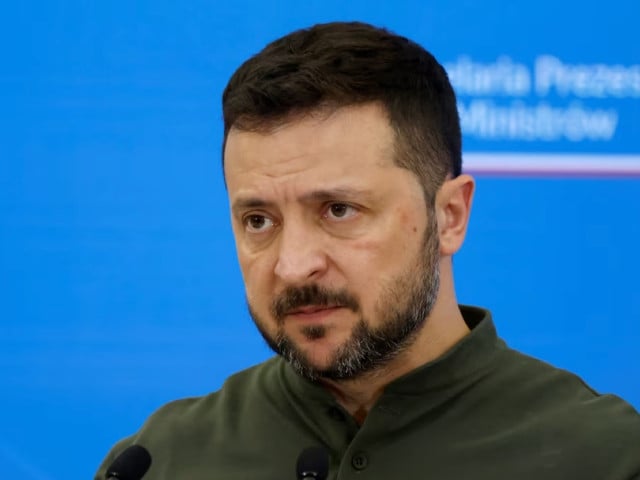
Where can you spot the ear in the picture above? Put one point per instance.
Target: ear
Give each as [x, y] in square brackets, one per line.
[453, 207]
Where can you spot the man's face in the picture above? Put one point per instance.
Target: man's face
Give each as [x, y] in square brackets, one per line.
[337, 249]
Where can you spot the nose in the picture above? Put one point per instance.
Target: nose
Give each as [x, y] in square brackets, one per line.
[301, 256]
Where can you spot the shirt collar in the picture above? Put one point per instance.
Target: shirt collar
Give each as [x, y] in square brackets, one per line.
[458, 365]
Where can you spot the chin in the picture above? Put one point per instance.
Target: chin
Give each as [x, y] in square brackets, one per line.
[319, 354]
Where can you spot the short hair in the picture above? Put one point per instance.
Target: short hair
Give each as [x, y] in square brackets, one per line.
[342, 64]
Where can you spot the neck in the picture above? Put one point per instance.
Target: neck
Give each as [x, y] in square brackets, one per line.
[358, 396]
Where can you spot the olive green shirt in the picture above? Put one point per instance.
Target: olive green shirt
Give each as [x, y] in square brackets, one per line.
[481, 411]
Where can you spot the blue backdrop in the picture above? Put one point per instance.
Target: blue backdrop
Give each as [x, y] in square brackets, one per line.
[119, 287]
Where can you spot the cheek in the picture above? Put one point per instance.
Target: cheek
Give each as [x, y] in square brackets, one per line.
[410, 223]
[365, 263]
[395, 239]
[378, 259]
[256, 275]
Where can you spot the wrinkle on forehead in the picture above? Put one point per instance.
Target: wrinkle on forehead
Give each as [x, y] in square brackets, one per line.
[357, 135]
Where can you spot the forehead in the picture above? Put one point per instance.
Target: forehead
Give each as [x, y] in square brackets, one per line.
[354, 138]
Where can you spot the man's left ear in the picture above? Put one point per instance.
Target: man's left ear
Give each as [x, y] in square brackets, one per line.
[453, 207]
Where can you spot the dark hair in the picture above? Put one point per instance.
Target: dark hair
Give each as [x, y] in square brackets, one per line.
[341, 64]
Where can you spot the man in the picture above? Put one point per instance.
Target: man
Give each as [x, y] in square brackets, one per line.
[342, 159]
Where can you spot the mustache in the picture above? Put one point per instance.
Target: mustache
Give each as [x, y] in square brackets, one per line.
[311, 295]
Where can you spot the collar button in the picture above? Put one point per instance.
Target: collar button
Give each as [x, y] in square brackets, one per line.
[359, 461]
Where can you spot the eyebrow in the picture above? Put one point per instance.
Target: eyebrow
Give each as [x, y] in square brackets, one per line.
[334, 193]
[339, 193]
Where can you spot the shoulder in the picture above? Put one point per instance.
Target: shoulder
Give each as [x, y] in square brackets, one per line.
[249, 404]
[240, 392]
[241, 399]
[555, 387]
[559, 408]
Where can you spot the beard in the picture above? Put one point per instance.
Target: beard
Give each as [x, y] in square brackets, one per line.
[402, 307]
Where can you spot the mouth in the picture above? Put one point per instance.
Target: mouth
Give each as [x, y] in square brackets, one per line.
[313, 312]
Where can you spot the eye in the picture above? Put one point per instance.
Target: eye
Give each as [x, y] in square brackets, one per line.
[340, 211]
[257, 223]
